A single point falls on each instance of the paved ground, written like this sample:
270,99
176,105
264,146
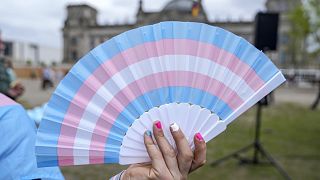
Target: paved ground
304,96
34,96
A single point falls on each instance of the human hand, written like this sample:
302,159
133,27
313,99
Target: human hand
165,162
16,91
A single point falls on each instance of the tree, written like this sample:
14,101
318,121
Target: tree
299,31
313,7
305,28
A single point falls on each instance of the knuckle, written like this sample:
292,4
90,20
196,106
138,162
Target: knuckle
177,175
159,134
188,156
203,162
128,173
168,177
165,176
200,163
184,177
170,152
148,143
180,176
180,135
149,146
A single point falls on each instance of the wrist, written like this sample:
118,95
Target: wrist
119,176
123,175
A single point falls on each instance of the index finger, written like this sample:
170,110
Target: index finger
185,154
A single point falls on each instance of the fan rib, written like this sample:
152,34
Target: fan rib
143,68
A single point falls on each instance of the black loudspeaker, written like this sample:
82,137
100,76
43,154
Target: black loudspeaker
266,31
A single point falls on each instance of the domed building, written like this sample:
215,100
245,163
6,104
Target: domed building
81,31
175,10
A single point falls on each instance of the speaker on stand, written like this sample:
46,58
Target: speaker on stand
266,35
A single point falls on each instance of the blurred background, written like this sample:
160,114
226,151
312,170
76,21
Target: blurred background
41,40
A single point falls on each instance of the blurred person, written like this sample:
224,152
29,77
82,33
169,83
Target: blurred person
59,74
14,83
4,77
17,150
10,71
317,100
11,90
47,77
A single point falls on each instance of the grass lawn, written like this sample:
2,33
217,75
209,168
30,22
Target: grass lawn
291,133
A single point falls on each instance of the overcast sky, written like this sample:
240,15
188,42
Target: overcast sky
40,21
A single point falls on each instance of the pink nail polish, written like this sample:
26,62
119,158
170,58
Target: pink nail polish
158,124
199,137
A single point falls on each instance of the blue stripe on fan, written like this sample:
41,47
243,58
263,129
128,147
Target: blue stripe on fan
111,48
166,30
219,37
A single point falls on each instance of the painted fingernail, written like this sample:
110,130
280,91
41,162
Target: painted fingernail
148,133
158,124
199,137
174,127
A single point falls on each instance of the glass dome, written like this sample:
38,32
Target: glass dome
179,5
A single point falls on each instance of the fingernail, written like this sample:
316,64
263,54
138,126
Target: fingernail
199,137
158,124
174,127
148,133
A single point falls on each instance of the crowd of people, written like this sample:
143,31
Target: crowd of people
50,75
11,87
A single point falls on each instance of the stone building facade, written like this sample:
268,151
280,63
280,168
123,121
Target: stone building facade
81,31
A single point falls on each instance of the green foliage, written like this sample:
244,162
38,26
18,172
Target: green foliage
289,132
313,7
299,31
29,62
305,31
300,22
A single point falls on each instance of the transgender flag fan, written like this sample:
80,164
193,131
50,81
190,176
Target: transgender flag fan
198,76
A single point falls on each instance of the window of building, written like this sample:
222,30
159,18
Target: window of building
8,49
74,41
74,55
92,42
284,39
86,13
102,39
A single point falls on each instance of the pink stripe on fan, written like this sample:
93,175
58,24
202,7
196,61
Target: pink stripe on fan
145,51
182,79
5,101
110,113
183,47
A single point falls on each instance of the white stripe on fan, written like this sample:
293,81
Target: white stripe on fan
145,68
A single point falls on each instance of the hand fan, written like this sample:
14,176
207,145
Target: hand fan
199,76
